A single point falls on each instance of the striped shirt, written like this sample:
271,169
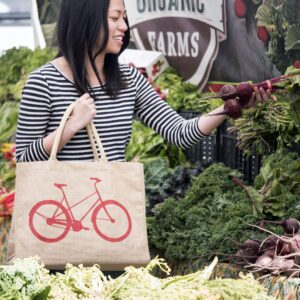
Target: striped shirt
48,93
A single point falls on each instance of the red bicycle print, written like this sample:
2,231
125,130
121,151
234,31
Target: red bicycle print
50,221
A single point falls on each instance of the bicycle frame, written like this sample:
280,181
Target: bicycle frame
68,221
69,208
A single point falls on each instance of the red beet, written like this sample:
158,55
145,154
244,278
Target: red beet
244,92
271,243
290,226
285,250
227,89
240,8
245,256
263,34
232,108
282,264
252,245
263,261
296,64
295,243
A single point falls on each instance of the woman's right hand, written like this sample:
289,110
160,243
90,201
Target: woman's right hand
83,113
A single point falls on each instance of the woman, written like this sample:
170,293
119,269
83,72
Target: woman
91,35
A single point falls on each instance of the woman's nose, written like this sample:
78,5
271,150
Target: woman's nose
123,26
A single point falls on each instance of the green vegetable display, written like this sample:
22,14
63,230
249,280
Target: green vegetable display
293,87
8,120
173,184
266,127
15,65
271,125
146,144
24,280
277,186
28,280
184,96
212,214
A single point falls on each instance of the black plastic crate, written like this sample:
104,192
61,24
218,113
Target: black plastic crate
205,150
233,157
295,148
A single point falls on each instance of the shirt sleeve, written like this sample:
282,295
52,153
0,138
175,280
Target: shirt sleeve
157,114
33,119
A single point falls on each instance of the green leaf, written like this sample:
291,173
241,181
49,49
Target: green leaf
43,295
266,172
8,120
292,38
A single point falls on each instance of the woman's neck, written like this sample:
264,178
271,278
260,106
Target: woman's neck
63,66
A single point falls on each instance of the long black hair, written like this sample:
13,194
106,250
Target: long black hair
78,28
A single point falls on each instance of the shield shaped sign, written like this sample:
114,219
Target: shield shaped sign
187,32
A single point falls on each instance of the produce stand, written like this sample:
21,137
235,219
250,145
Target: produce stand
192,222
278,286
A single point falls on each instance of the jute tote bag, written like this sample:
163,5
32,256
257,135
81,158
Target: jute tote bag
80,212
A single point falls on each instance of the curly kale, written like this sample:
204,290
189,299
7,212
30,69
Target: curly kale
213,213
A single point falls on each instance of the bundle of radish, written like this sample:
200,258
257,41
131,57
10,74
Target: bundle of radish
237,98
276,254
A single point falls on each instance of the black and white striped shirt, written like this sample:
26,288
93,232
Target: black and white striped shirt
48,93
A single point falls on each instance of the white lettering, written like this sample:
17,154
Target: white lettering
141,6
173,3
195,46
171,44
162,5
176,44
151,38
161,43
183,44
170,5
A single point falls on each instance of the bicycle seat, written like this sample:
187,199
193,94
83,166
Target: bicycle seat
59,185
96,179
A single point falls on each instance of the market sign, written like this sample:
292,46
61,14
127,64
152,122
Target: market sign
187,32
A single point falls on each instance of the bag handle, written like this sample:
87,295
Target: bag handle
92,133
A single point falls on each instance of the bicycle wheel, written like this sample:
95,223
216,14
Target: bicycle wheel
49,221
111,221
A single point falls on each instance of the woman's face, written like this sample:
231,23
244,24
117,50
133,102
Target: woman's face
116,25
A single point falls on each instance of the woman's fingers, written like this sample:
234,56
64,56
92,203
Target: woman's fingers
257,94
85,96
251,102
273,97
263,95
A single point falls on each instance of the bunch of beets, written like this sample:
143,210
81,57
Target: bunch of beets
276,254
237,97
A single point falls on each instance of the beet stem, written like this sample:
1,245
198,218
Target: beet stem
237,181
272,233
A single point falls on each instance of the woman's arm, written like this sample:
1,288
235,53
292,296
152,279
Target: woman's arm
158,115
34,115
209,122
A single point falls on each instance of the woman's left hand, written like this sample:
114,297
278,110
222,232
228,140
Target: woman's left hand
260,95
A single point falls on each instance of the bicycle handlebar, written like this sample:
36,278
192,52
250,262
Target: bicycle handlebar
96,179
